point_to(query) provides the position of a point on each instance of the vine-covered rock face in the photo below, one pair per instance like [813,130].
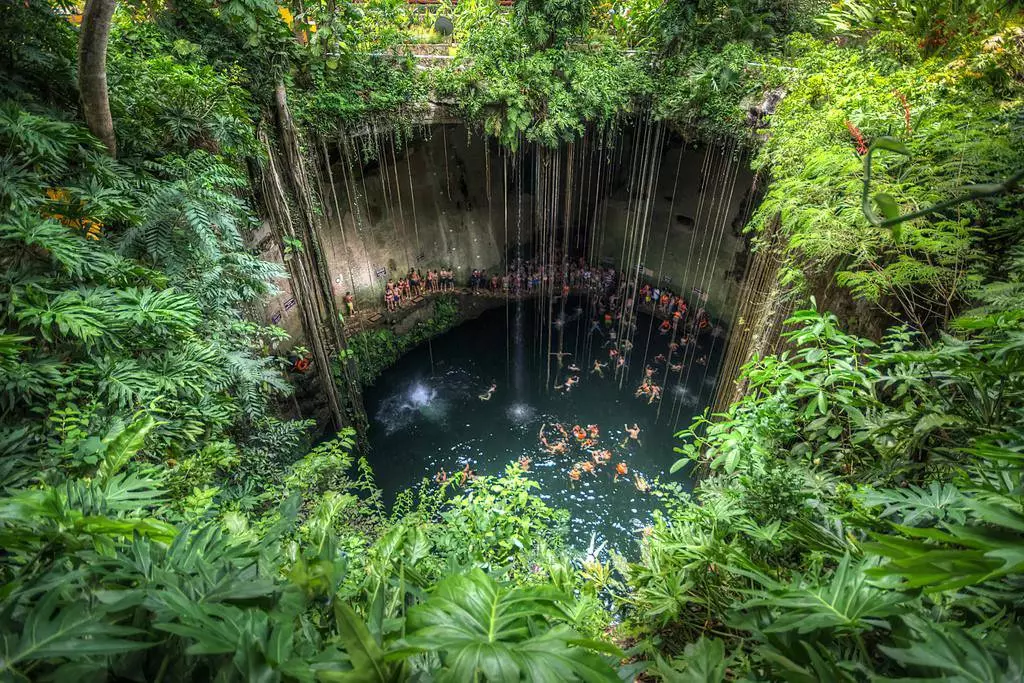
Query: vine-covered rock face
[163,511]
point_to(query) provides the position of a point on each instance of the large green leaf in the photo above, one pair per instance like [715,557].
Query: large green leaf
[485,630]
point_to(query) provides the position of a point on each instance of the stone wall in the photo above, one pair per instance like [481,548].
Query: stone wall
[449,197]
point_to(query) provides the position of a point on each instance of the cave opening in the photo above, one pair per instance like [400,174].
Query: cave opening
[623,248]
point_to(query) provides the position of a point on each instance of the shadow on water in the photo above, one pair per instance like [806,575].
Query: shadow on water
[422,422]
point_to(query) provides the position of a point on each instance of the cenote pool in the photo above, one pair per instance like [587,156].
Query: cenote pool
[426,414]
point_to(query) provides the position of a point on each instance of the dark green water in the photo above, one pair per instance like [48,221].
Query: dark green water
[426,415]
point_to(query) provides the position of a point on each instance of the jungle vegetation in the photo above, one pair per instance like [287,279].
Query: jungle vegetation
[861,513]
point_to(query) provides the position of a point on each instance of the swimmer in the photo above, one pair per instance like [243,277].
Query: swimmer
[676,367]
[569,383]
[632,433]
[620,470]
[574,476]
[641,484]
[620,363]
[655,394]
[486,396]
[556,448]
[648,372]
[579,432]
[593,431]
[703,360]
[587,467]
[599,368]
[573,367]
[627,346]
[441,477]
[524,463]
[560,355]
[659,359]
[466,475]
[644,389]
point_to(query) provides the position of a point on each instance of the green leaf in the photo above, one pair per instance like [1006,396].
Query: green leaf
[123,446]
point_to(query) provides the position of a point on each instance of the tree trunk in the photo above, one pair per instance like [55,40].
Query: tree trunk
[92,70]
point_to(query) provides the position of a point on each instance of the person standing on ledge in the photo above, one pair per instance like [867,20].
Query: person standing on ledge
[350,303]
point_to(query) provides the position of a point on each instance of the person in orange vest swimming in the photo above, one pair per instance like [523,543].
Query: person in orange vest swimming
[579,432]
[593,431]
[587,466]
[574,476]
[620,470]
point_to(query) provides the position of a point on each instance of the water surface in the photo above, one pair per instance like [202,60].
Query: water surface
[426,414]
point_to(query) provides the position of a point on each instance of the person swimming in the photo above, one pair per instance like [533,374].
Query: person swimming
[593,431]
[486,396]
[441,477]
[660,358]
[649,372]
[574,476]
[644,389]
[676,367]
[579,432]
[621,470]
[632,433]
[573,367]
[466,475]
[524,463]
[599,368]
[568,385]
[655,394]
[641,484]
[558,447]
[587,467]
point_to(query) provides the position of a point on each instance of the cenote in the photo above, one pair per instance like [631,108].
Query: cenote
[426,414]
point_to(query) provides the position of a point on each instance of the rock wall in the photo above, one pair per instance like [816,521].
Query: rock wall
[449,197]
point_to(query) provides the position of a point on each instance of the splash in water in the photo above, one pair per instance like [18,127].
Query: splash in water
[421,395]
[416,401]
[521,413]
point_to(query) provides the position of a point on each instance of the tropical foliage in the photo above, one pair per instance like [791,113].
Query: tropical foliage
[860,515]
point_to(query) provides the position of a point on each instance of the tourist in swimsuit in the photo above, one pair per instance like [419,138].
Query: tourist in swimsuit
[593,431]
[641,484]
[441,477]
[524,463]
[655,394]
[568,385]
[660,358]
[579,432]
[574,476]
[573,367]
[632,433]
[587,467]
[620,471]
[599,368]
[676,367]
[486,396]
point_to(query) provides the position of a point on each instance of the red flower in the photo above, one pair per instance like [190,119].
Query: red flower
[906,110]
[858,137]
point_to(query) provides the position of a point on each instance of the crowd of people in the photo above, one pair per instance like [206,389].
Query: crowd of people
[401,291]
[556,440]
